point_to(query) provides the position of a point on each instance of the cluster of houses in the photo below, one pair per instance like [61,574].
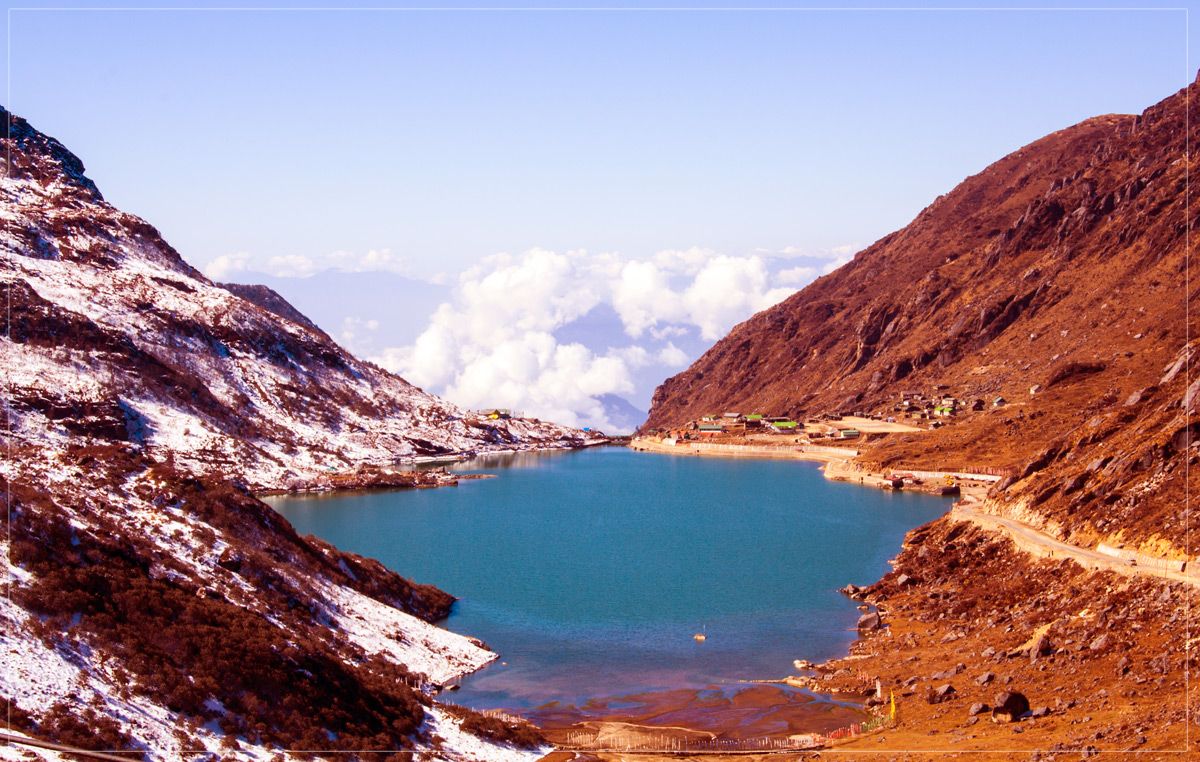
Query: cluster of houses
[737,423]
[936,408]
[755,423]
[917,406]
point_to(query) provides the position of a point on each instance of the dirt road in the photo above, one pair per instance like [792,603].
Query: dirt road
[1039,543]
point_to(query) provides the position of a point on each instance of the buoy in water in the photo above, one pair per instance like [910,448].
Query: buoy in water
[699,637]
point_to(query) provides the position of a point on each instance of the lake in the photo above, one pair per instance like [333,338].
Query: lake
[590,571]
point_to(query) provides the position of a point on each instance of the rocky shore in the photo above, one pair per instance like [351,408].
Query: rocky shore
[375,477]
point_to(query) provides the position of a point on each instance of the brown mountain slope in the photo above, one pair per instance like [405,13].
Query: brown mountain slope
[1062,265]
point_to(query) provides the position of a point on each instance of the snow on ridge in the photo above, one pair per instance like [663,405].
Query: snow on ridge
[460,746]
[275,402]
[377,628]
[36,677]
[329,412]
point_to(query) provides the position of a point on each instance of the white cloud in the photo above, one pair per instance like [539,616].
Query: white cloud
[672,356]
[357,334]
[796,276]
[226,265]
[834,264]
[726,291]
[493,344]
[804,252]
[303,266]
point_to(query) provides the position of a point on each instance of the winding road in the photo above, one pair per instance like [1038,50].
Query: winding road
[1040,544]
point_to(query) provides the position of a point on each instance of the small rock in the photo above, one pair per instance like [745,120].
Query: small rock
[988,652]
[1135,398]
[1041,711]
[1042,647]
[985,678]
[1100,643]
[1009,706]
[1123,665]
[977,708]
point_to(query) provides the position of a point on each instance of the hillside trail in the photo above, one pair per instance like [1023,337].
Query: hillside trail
[1038,543]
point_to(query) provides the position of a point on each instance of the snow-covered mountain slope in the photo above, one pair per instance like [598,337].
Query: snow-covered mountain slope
[105,314]
[151,601]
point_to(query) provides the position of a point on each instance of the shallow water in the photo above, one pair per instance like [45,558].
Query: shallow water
[590,571]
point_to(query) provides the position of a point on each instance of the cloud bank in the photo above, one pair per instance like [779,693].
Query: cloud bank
[494,343]
[228,266]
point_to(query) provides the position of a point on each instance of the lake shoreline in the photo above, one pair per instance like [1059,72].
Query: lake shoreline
[434,474]
[838,464]
[700,495]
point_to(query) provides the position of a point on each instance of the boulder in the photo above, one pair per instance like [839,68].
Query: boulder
[870,622]
[853,592]
[1010,706]
[941,693]
[1041,647]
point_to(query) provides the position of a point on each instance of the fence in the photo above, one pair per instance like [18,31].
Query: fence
[976,473]
[662,743]
[637,740]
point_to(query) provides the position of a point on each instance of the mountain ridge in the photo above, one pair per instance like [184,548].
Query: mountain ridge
[1057,269]
[153,602]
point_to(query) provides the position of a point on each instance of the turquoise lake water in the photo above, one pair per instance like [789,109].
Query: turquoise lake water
[590,571]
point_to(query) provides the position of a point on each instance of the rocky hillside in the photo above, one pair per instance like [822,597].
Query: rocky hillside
[151,601]
[1054,278]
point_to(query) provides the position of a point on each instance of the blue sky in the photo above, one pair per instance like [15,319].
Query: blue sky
[422,142]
